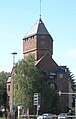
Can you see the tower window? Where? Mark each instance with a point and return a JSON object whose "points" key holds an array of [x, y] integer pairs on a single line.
{"points": [[42, 43]]}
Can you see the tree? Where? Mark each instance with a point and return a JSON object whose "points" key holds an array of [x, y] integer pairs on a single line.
{"points": [[73, 85], [29, 80], [71, 80], [3, 88], [25, 76]]}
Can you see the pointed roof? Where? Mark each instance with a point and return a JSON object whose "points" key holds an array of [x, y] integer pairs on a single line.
{"points": [[38, 28]]}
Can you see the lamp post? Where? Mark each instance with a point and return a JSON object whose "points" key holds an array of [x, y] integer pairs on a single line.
{"points": [[14, 53], [13, 103]]}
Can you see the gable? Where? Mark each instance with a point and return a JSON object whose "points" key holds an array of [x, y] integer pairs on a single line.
{"points": [[47, 64]]}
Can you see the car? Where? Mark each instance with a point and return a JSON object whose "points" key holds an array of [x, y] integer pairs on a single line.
{"points": [[45, 116], [63, 116], [40, 117]]}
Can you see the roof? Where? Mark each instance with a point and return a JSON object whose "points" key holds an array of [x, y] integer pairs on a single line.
{"points": [[37, 28], [62, 69], [46, 63]]}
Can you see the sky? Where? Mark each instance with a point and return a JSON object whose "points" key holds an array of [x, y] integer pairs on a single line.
{"points": [[18, 16]]}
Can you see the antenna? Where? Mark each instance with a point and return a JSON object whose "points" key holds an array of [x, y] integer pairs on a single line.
{"points": [[40, 8]]}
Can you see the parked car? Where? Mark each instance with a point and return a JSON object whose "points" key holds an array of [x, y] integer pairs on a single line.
{"points": [[40, 117], [45, 116], [63, 116]]}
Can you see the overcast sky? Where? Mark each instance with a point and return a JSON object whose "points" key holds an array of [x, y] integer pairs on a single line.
{"points": [[18, 16]]}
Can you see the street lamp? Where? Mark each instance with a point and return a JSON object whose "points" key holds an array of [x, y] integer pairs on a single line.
{"points": [[13, 103], [14, 53]]}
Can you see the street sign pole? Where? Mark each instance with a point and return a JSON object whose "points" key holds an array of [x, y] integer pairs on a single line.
{"points": [[37, 110]]}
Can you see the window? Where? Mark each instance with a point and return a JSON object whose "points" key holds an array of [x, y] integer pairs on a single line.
{"points": [[42, 43], [8, 87], [52, 86], [60, 75], [52, 76]]}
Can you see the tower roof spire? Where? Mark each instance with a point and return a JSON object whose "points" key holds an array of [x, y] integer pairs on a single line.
{"points": [[37, 28]]}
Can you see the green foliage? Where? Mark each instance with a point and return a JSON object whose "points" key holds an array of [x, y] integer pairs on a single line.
{"points": [[26, 76], [71, 80], [2, 118], [3, 91], [49, 99], [29, 80]]}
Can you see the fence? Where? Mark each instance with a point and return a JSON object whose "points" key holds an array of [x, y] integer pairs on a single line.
{"points": [[53, 117]]}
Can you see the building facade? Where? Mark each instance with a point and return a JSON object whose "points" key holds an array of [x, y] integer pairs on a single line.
{"points": [[39, 43]]}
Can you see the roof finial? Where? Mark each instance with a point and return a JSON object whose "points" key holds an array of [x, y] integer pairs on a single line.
{"points": [[40, 9]]}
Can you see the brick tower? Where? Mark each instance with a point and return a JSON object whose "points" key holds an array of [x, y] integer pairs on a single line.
{"points": [[38, 41]]}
